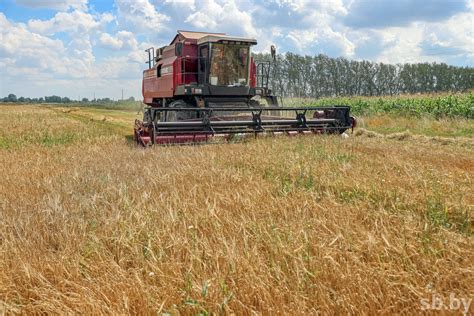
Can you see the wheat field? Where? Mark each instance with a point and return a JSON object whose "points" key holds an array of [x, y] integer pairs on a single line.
{"points": [[91, 224]]}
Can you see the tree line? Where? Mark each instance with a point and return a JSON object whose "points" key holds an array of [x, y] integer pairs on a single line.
{"points": [[57, 99], [294, 75]]}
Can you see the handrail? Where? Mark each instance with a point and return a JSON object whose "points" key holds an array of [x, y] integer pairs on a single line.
{"points": [[184, 62], [262, 74]]}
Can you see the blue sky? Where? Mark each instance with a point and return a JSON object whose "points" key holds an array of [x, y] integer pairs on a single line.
{"points": [[76, 48]]}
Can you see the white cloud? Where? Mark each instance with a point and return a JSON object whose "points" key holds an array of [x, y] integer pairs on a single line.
{"points": [[30, 54], [306, 41], [62, 5], [334, 7], [140, 15], [73, 22], [470, 5], [222, 17], [122, 40], [429, 42], [109, 41], [457, 33], [52, 66], [106, 18], [402, 44], [80, 57], [321, 32], [17, 42], [191, 4]]}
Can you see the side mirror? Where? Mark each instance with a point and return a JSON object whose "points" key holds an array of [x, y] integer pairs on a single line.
{"points": [[273, 51]]}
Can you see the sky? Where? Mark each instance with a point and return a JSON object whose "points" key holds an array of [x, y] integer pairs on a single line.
{"points": [[78, 48]]}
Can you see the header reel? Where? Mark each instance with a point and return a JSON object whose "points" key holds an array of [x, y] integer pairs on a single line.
{"points": [[216, 122]]}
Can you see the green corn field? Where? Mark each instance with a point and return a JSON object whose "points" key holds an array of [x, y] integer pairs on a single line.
{"points": [[436, 105]]}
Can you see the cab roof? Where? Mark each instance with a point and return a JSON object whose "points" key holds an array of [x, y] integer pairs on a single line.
{"points": [[203, 37]]}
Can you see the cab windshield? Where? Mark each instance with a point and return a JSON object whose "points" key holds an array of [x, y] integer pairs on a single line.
{"points": [[229, 65]]}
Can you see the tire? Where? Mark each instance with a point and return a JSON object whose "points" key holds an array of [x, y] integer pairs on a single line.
{"points": [[254, 104], [336, 129], [147, 116], [174, 116]]}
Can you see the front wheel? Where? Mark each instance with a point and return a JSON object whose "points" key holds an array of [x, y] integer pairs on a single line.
{"points": [[174, 116]]}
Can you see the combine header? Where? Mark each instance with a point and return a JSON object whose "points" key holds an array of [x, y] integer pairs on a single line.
{"points": [[206, 85]]}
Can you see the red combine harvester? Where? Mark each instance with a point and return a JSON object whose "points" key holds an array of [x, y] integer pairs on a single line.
{"points": [[207, 85]]}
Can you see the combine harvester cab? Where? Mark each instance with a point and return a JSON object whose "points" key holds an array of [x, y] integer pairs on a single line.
{"points": [[206, 85]]}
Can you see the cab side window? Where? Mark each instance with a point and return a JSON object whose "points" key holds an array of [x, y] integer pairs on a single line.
{"points": [[203, 63], [158, 71]]}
